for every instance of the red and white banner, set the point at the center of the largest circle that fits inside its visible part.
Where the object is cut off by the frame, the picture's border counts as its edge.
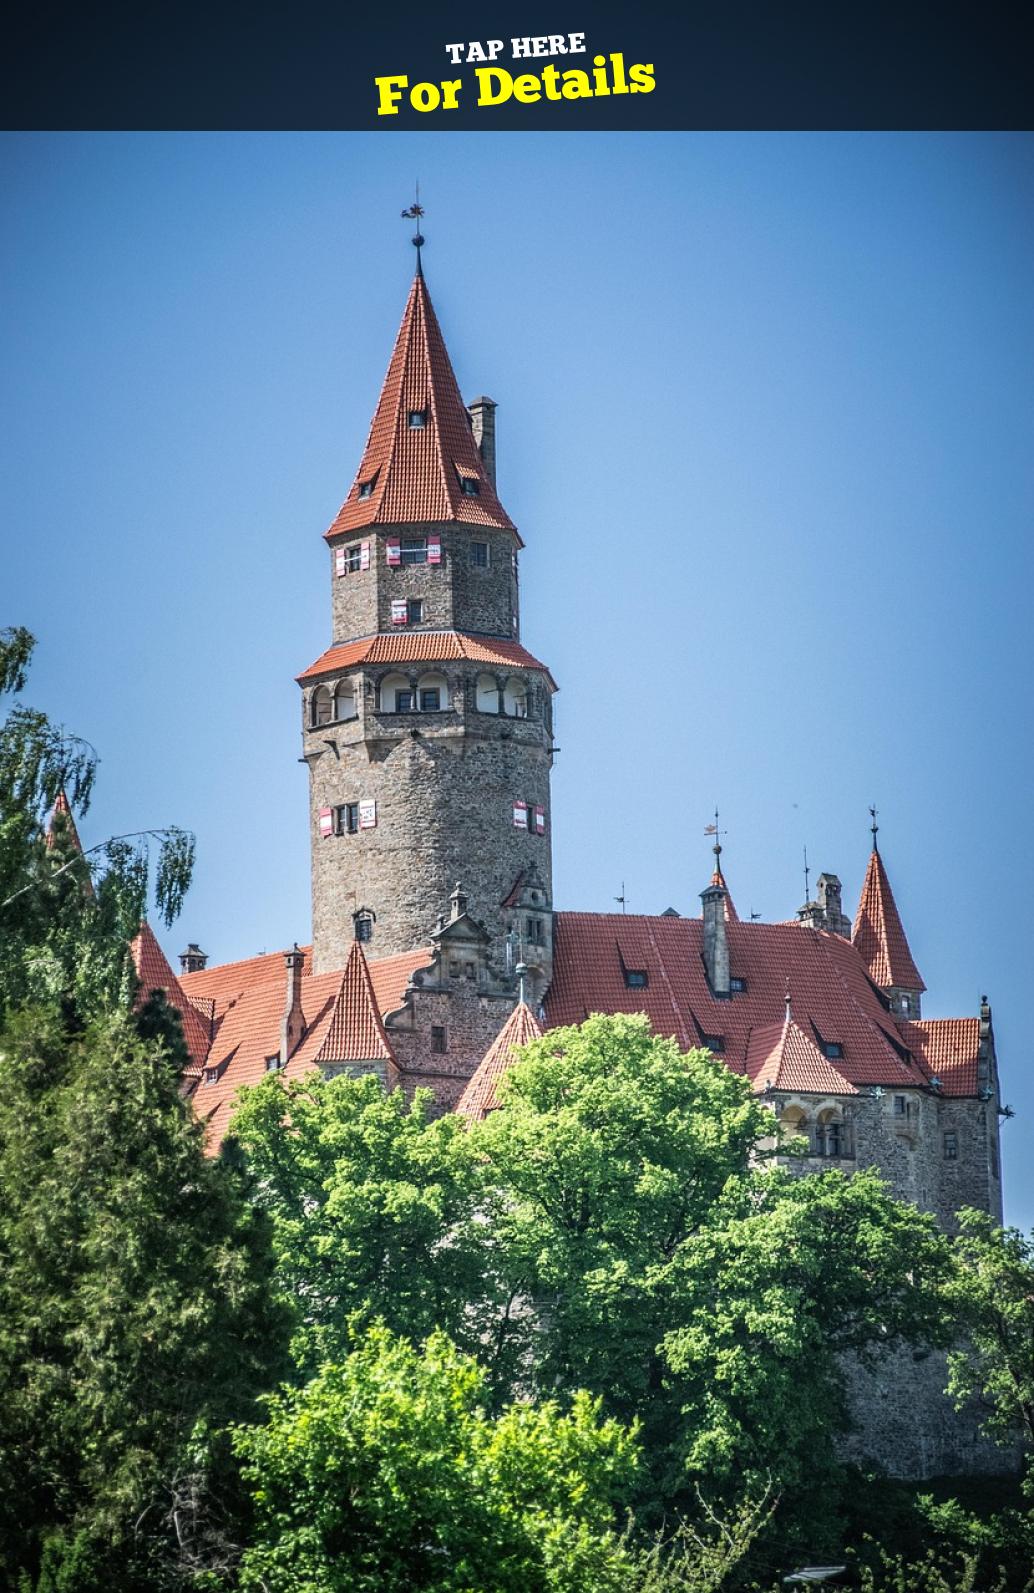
(393, 550)
(364, 556)
(367, 815)
(339, 561)
(540, 821)
(326, 823)
(434, 550)
(520, 815)
(399, 611)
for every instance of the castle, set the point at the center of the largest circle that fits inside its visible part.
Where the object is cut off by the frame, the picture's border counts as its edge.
(428, 734)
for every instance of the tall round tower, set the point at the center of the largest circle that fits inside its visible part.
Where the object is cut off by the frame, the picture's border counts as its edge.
(427, 726)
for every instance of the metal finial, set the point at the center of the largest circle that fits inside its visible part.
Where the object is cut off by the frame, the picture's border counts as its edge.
(521, 971)
(874, 827)
(414, 213)
(712, 829)
(621, 899)
(807, 874)
(788, 1014)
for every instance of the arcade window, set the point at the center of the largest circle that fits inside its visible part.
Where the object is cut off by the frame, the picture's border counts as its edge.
(430, 700)
(403, 702)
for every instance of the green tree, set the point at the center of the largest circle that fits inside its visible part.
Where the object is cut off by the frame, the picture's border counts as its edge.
(379, 1213)
(386, 1473)
(135, 1302)
(992, 1293)
(66, 918)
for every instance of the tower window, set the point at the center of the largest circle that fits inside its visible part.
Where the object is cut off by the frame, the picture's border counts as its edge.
(479, 554)
(417, 419)
(430, 700)
(414, 610)
(900, 1106)
(352, 558)
(636, 978)
(536, 933)
(439, 1039)
(403, 702)
(413, 551)
(366, 489)
(951, 1147)
(346, 819)
(364, 926)
(471, 488)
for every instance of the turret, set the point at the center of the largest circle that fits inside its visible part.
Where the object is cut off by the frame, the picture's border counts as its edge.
(880, 938)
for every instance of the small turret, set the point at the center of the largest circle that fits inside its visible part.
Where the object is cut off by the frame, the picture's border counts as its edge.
(292, 1025)
(880, 938)
(193, 960)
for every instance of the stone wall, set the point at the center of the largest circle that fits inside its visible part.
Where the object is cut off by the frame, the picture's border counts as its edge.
(456, 594)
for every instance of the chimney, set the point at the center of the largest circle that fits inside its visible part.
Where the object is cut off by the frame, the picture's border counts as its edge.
(826, 911)
(457, 902)
(292, 1025)
(716, 945)
(193, 959)
(482, 424)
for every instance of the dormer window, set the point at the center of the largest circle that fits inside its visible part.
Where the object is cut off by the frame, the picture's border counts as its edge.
(471, 488)
(363, 926)
(273, 1063)
(714, 1042)
(417, 419)
(737, 987)
(366, 489)
(833, 1050)
(211, 1075)
(636, 978)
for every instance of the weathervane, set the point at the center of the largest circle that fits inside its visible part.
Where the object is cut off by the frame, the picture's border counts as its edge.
(807, 876)
(874, 827)
(621, 898)
(712, 829)
(414, 213)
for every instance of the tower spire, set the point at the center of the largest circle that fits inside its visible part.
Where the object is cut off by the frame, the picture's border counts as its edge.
(880, 937)
(874, 827)
(415, 211)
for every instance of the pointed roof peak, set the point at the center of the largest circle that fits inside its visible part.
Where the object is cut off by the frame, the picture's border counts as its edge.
(781, 1056)
(421, 463)
(154, 971)
(878, 932)
(480, 1094)
(62, 812)
(356, 1032)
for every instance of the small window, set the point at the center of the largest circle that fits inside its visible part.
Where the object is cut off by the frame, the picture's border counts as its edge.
(413, 552)
(414, 610)
(714, 1042)
(636, 978)
(737, 986)
(454, 970)
(479, 554)
(403, 702)
(417, 419)
(832, 1049)
(951, 1146)
(471, 488)
(211, 1075)
(900, 1106)
(346, 819)
(273, 1063)
(353, 558)
(430, 700)
(535, 932)
(439, 1041)
(363, 926)
(366, 489)
(469, 969)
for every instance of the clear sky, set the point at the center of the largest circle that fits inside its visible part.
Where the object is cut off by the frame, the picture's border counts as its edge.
(765, 424)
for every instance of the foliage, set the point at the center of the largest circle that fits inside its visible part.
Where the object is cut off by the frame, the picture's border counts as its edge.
(134, 1297)
(378, 1212)
(992, 1291)
(385, 1473)
(66, 918)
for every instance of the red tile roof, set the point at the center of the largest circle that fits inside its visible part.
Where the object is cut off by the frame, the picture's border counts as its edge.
(951, 1048)
(479, 1096)
(832, 995)
(415, 472)
(249, 999)
(154, 973)
(718, 878)
(415, 647)
(780, 1056)
(879, 935)
(355, 1032)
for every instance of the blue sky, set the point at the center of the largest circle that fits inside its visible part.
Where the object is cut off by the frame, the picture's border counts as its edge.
(765, 421)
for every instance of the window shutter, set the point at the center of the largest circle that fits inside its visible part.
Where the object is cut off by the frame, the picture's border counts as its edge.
(326, 823)
(364, 556)
(339, 561)
(520, 815)
(367, 815)
(434, 550)
(393, 550)
(540, 821)
(399, 611)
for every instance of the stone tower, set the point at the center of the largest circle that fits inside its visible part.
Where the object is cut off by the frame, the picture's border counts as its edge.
(427, 726)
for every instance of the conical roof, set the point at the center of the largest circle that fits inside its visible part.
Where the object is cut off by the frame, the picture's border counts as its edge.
(355, 1032)
(63, 811)
(781, 1056)
(718, 879)
(155, 973)
(878, 933)
(479, 1096)
(416, 472)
